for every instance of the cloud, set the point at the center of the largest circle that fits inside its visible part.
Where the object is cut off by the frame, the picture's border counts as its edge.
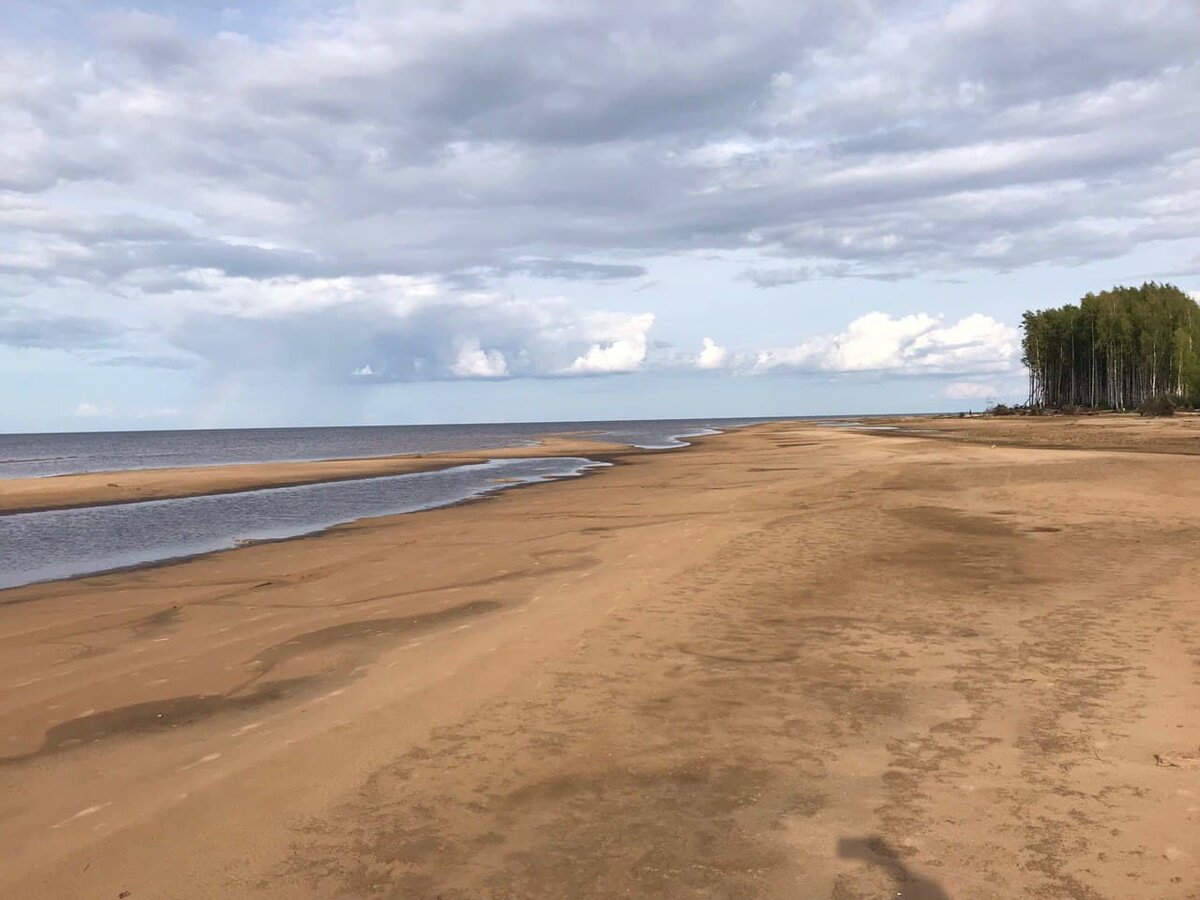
(913, 344)
(625, 353)
(475, 362)
(773, 278)
(970, 390)
(711, 355)
(27, 326)
(150, 41)
(575, 270)
(88, 411)
(406, 328)
(434, 139)
(369, 181)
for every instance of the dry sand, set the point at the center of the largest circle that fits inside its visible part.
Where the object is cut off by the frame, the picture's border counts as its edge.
(1112, 431)
(790, 662)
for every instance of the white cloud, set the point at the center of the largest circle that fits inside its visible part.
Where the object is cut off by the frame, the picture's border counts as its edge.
(475, 362)
(410, 329)
(970, 390)
(625, 353)
(918, 343)
(711, 355)
(88, 411)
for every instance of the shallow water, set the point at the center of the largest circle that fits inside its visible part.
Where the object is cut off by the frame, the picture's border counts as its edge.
(41, 546)
(53, 544)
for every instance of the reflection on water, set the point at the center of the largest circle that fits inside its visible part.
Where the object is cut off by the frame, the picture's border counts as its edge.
(40, 546)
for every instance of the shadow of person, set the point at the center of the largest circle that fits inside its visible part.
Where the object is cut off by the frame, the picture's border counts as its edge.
(877, 852)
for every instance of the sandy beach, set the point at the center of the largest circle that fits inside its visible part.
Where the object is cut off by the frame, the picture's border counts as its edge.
(791, 661)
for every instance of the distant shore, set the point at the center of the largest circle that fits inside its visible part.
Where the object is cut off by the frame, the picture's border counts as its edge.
(790, 661)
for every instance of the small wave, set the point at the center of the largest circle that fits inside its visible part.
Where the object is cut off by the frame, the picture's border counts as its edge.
(29, 459)
(676, 441)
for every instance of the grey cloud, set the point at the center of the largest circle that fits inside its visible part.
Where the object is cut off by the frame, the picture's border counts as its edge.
(474, 142)
(87, 230)
(130, 247)
(232, 259)
(151, 284)
(419, 338)
(574, 270)
(591, 73)
(28, 329)
(150, 361)
(152, 41)
(451, 129)
(772, 278)
(1066, 47)
(478, 279)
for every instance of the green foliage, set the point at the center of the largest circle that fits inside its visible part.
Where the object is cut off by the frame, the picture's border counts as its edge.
(1115, 349)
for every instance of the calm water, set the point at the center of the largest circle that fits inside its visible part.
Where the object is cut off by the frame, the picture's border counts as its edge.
(41, 546)
(24, 455)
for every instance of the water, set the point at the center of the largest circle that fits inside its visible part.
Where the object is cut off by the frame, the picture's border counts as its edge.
(41, 546)
(53, 544)
(26, 455)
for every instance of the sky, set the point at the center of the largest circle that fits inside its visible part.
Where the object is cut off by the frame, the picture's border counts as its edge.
(318, 213)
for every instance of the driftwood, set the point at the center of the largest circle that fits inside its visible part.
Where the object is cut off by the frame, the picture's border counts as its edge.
(1182, 760)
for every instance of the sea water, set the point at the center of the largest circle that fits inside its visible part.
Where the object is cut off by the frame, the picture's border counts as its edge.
(53, 544)
(26, 455)
(40, 546)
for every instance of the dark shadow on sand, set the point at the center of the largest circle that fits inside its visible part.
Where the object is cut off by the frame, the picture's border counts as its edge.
(878, 852)
(361, 641)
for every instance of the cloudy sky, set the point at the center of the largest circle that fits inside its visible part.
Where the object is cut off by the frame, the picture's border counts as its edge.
(301, 212)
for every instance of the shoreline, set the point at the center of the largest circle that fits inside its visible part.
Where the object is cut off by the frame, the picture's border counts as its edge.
(591, 466)
(1043, 433)
(110, 488)
(601, 455)
(725, 671)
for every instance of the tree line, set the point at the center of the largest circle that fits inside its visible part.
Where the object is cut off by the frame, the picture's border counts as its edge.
(1115, 350)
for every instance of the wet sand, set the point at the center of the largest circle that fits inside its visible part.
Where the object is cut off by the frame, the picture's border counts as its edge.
(791, 661)
(101, 488)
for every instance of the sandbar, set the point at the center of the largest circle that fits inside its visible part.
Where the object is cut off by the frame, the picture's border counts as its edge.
(125, 486)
